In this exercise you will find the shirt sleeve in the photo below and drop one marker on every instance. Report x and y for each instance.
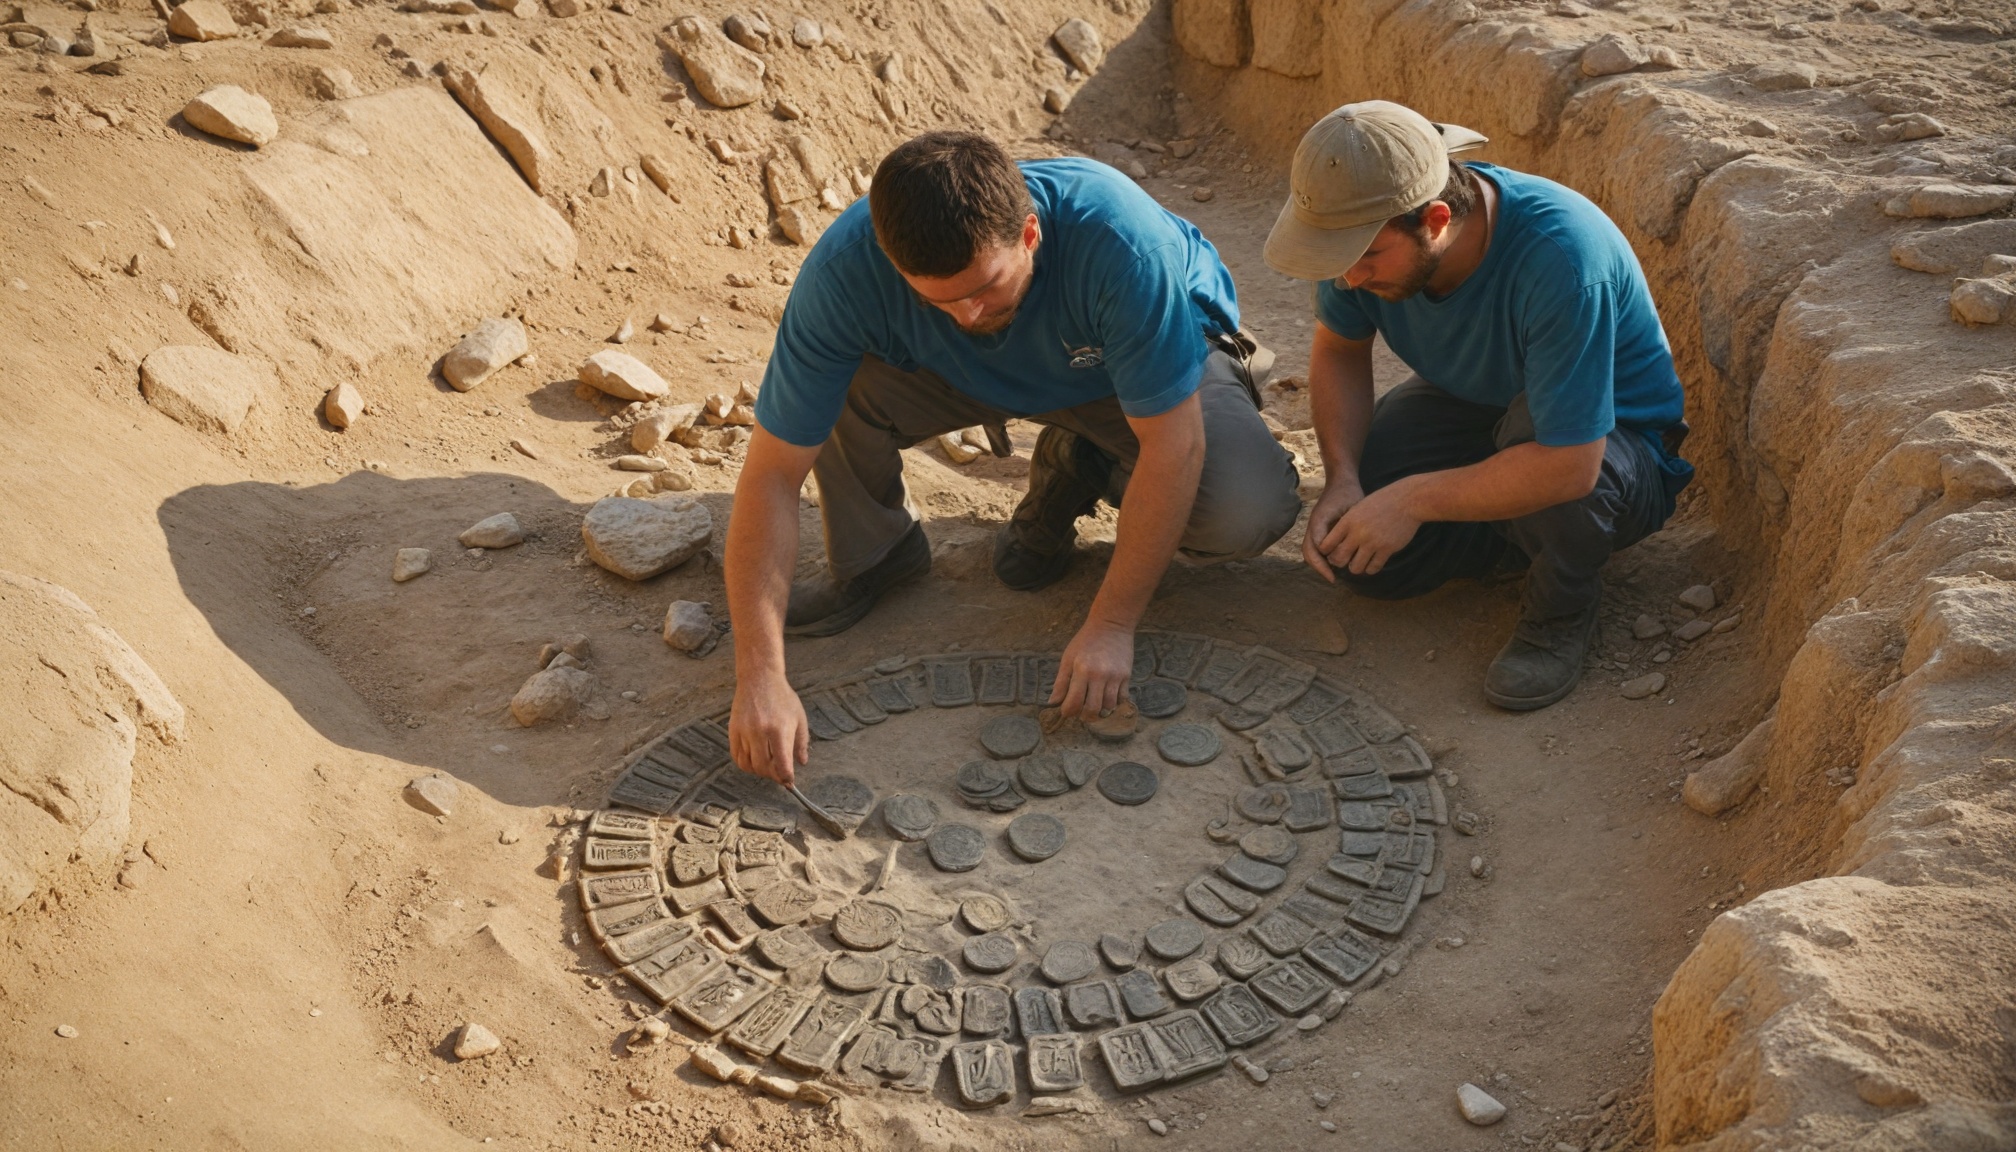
(1338, 309)
(819, 346)
(1571, 366)
(1154, 338)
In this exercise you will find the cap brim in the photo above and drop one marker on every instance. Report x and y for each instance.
(1310, 253)
(1456, 138)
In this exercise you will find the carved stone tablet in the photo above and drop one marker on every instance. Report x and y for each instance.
(1031, 688)
(909, 817)
(671, 970)
(1175, 938)
(1241, 719)
(846, 798)
(1043, 775)
(932, 971)
(1068, 961)
(1092, 1004)
(1007, 737)
(814, 1046)
(623, 919)
(1128, 783)
(1259, 669)
(1271, 844)
(1252, 875)
(1219, 903)
(1323, 696)
(692, 863)
(1159, 699)
(1333, 735)
(985, 1070)
(860, 705)
(1079, 766)
(645, 941)
(765, 818)
(984, 913)
(1370, 786)
(1189, 744)
(1036, 835)
(763, 1028)
(635, 791)
(1322, 915)
(1264, 804)
(990, 953)
(785, 902)
(1345, 955)
(988, 1010)
(601, 891)
(1239, 1016)
(1219, 668)
(1291, 986)
(720, 997)
(1284, 750)
(856, 971)
(756, 848)
(1000, 680)
(951, 681)
(1193, 979)
(889, 695)
(867, 1054)
(1054, 1064)
(1182, 656)
(1242, 957)
(601, 855)
(1121, 952)
(1142, 994)
(789, 947)
(1387, 917)
(1039, 1011)
(939, 1014)
(620, 825)
(825, 718)
(1308, 809)
(956, 847)
(1361, 843)
(1281, 933)
(866, 926)
(733, 921)
(691, 833)
(1190, 1044)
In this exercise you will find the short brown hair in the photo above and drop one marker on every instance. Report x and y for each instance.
(1459, 192)
(939, 198)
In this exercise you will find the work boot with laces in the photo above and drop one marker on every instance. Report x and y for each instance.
(1067, 475)
(1542, 662)
(822, 606)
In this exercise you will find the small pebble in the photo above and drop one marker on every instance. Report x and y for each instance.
(1326, 1125)
(1477, 867)
(1478, 1106)
(1155, 1123)
(1310, 1022)
(1322, 1098)
(66, 1031)
(623, 333)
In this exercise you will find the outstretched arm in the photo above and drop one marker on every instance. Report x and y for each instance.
(767, 734)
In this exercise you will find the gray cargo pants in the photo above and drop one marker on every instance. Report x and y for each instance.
(1246, 497)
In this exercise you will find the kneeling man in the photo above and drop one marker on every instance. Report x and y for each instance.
(969, 290)
(1542, 425)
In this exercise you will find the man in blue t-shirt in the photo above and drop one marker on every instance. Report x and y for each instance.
(1542, 423)
(970, 291)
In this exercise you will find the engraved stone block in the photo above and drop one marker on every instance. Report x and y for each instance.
(1281, 933)
(860, 705)
(600, 855)
(1387, 917)
(815, 1044)
(932, 970)
(1345, 955)
(1413, 851)
(1281, 689)
(670, 970)
(1133, 1057)
(1203, 899)
(1260, 667)
(1404, 759)
(988, 1010)
(1270, 844)
(984, 913)
(1222, 665)
(1242, 957)
(867, 1054)
(826, 718)
(1191, 1047)
(1054, 1064)
(1357, 869)
(645, 941)
(1252, 875)
(1263, 804)
(889, 695)
(1308, 809)
(1031, 688)
(789, 947)
(734, 921)
(1333, 735)
(607, 888)
(623, 919)
(1360, 817)
(692, 863)
(1329, 887)
(1193, 979)
(951, 681)
(1092, 1004)
(1007, 737)
(756, 848)
(1000, 680)
(1121, 952)
(1368, 786)
(867, 926)
(1377, 724)
(856, 971)
(846, 798)
(1175, 938)
(1039, 1011)
(720, 997)
(990, 953)
(1284, 750)
(690, 898)
(764, 1027)
(620, 825)
(939, 1014)
(1361, 843)
(1142, 994)
(1290, 985)
(704, 742)
(1239, 1016)
(633, 791)
(1182, 656)
(1321, 914)
(985, 1071)
(785, 902)
(1323, 696)
(768, 818)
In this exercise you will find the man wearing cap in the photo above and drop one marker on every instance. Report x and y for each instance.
(1542, 422)
(969, 290)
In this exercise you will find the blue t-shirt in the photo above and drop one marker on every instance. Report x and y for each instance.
(1558, 309)
(1123, 295)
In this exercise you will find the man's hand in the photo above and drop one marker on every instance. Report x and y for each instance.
(1371, 531)
(1093, 677)
(1337, 499)
(767, 733)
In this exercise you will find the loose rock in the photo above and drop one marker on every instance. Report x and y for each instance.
(1950, 202)
(1478, 1106)
(552, 694)
(641, 464)
(662, 425)
(1910, 126)
(343, 405)
(204, 388)
(1692, 630)
(202, 20)
(232, 113)
(336, 84)
(1612, 54)
(433, 794)
(1079, 42)
(1986, 301)
(1782, 76)
(499, 531)
(688, 626)
(498, 112)
(491, 346)
(623, 376)
(476, 1042)
(301, 36)
(1700, 598)
(726, 73)
(638, 539)
(1646, 627)
(1650, 684)
(408, 563)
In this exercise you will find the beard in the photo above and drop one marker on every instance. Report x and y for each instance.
(993, 322)
(1425, 265)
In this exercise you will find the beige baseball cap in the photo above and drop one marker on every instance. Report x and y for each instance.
(1357, 168)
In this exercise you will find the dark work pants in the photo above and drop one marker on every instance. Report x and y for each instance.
(1418, 428)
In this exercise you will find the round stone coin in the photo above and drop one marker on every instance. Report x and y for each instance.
(867, 926)
(1240, 719)
(854, 972)
(990, 953)
(1069, 961)
(1175, 938)
(1006, 737)
(1270, 843)
(1036, 835)
(956, 847)
(979, 779)
(1189, 744)
(984, 913)
(909, 817)
(1043, 774)
(1158, 698)
(840, 795)
(1125, 782)
(1079, 767)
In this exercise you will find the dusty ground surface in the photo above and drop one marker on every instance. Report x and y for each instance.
(293, 946)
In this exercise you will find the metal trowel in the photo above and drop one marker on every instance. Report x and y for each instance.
(819, 815)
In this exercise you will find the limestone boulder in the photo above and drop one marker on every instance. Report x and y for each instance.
(234, 114)
(207, 389)
(622, 375)
(726, 73)
(494, 343)
(1950, 201)
(1991, 300)
(556, 693)
(79, 700)
(1080, 44)
(505, 120)
(1611, 55)
(202, 20)
(638, 539)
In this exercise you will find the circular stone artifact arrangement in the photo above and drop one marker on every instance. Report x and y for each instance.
(711, 892)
